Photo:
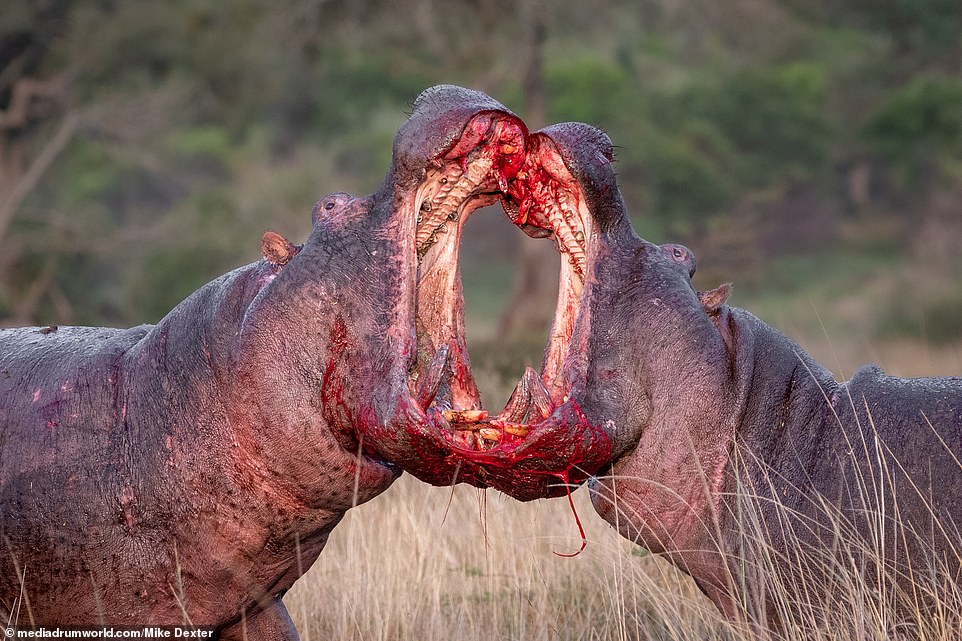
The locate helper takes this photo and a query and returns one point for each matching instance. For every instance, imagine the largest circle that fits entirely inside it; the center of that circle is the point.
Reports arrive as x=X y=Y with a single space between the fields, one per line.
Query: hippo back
x=61 y=444
x=903 y=447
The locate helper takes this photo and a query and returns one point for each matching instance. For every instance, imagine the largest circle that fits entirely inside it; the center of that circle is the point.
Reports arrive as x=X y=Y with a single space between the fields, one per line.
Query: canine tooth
x=431 y=380
x=465 y=416
x=517 y=429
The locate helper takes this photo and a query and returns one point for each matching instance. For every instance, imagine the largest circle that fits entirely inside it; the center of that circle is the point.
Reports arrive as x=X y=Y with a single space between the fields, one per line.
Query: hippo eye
x=329 y=206
x=679 y=254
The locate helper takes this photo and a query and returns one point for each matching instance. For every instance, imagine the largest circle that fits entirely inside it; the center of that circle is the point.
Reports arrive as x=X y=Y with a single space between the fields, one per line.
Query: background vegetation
x=809 y=150
x=803 y=148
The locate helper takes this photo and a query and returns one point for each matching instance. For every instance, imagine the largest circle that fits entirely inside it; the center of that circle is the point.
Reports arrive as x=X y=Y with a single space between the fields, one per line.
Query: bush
x=918 y=130
x=774 y=120
x=599 y=93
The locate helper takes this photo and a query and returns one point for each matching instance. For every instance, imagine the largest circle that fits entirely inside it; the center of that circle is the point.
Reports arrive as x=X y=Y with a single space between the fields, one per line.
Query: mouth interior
x=493 y=161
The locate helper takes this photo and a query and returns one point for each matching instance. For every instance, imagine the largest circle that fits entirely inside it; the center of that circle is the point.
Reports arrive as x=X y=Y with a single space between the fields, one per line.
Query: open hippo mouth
x=541 y=436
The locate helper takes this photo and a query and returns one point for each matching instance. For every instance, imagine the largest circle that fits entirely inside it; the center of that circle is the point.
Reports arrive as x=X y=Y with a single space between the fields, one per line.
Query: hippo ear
x=713 y=300
x=276 y=249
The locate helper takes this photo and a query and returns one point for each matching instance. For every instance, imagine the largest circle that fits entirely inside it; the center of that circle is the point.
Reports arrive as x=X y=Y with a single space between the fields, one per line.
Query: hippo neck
x=783 y=410
x=345 y=296
x=313 y=358
x=188 y=355
x=659 y=375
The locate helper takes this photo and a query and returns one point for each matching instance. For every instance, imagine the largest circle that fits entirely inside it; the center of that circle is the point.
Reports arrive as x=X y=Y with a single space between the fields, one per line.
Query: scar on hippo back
x=276 y=249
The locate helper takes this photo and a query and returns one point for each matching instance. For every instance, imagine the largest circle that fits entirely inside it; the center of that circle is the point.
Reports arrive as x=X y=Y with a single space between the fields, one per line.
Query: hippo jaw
x=458 y=181
x=541 y=435
x=538 y=194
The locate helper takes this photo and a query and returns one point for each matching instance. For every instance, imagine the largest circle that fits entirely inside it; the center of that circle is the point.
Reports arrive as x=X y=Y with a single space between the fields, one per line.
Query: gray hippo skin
x=190 y=471
x=728 y=439
x=737 y=455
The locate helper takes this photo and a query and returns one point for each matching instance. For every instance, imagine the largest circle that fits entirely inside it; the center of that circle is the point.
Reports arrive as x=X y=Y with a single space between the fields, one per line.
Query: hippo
x=189 y=472
x=733 y=453
x=752 y=469
x=186 y=471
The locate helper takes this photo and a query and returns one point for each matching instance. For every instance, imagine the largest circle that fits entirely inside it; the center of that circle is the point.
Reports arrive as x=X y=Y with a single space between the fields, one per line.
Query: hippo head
x=647 y=359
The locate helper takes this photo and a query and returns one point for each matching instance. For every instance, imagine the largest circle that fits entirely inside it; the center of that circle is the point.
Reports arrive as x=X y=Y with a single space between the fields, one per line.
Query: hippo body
x=192 y=470
x=870 y=445
x=733 y=447
x=189 y=472
x=866 y=471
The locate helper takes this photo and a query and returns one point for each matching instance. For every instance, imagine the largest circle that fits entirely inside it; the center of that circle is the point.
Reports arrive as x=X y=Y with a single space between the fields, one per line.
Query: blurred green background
x=808 y=150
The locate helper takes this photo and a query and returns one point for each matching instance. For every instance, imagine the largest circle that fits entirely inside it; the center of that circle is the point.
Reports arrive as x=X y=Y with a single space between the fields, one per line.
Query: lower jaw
x=559 y=451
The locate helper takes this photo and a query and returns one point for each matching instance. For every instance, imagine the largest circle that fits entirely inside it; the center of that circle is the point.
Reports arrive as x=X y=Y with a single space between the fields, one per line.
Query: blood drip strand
x=563 y=477
x=483 y=516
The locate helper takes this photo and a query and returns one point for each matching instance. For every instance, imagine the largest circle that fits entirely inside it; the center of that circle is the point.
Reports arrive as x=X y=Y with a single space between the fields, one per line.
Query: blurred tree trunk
x=530 y=308
x=35 y=127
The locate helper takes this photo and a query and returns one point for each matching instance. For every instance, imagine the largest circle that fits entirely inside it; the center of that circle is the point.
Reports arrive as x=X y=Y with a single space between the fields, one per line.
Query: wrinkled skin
x=714 y=415
x=192 y=470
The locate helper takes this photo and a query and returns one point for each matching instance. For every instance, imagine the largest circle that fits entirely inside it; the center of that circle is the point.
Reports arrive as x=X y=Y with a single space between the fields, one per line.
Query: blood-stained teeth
x=515 y=429
x=464 y=416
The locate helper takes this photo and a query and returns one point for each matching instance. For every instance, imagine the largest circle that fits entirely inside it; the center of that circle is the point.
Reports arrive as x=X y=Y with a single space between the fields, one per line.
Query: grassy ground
x=434 y=564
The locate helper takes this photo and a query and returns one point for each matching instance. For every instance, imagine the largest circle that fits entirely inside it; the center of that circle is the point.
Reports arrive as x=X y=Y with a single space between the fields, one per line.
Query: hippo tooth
x=465 y=416
x=515 y=429
x=449 y=198
x=432 y=378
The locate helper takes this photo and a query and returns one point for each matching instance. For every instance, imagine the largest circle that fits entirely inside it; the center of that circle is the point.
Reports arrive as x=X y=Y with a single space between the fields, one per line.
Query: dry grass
x=428 y=563
x=423 y=563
